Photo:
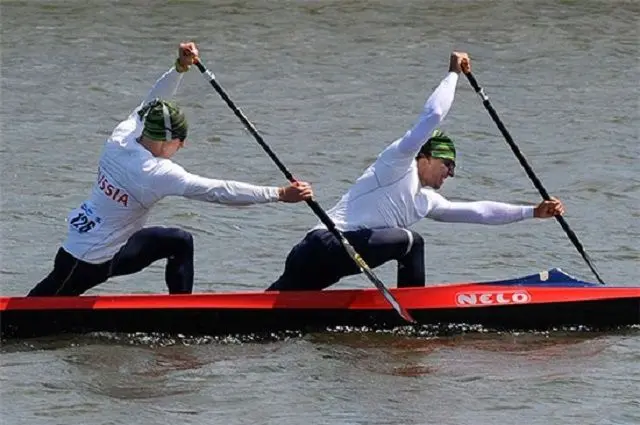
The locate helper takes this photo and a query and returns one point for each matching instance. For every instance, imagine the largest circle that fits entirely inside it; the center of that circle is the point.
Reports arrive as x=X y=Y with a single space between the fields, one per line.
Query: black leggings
x=74 y=277
x=320 y=260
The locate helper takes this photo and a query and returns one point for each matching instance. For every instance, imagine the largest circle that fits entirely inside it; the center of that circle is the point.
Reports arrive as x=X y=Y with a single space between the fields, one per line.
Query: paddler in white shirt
x=106 y=234
x=395 y=192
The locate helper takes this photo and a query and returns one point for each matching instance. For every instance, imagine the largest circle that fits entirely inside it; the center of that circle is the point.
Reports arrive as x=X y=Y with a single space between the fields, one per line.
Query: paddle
x=317 y=209
x=529 y=171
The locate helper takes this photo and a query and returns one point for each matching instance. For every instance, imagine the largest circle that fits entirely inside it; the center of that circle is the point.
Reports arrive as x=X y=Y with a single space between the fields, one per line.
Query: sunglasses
x=451 y=165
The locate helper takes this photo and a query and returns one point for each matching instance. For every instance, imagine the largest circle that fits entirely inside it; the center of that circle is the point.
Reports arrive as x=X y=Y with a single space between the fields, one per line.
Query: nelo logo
x=492 y=298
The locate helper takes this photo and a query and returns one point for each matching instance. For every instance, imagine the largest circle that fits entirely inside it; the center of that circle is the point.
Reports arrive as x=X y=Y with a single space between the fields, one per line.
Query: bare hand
x=187 y=53
x=459 y=62
x=295 y=192
x=550 y=208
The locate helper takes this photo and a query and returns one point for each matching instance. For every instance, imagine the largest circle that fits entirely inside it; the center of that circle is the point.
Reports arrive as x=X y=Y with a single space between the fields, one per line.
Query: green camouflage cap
x=439 y=145
x=163 y=121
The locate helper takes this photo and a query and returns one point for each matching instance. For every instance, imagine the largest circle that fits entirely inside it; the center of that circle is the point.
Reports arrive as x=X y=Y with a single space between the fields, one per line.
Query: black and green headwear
x=439 y=145
x=163 y=121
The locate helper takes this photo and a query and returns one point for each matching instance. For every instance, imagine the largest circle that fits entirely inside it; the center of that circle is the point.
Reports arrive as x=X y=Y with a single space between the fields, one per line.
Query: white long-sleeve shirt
x=388 y=193
x=130 y=180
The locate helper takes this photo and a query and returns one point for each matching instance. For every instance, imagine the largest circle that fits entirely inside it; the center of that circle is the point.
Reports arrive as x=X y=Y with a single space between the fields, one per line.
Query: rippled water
x=329 y=84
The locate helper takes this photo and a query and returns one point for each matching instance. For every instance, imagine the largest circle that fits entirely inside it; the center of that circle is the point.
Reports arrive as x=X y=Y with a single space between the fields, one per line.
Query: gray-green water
x=329 y=84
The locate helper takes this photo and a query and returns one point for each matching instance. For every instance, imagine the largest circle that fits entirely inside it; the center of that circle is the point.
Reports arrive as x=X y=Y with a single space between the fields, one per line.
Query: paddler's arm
x=167 y=85
x=488 y=212
x=238 y=193
x=435 y=109
x=173 y=180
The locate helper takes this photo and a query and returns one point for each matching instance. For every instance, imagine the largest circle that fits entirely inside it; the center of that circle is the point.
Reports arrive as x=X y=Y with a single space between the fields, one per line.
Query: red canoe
x=542 y=301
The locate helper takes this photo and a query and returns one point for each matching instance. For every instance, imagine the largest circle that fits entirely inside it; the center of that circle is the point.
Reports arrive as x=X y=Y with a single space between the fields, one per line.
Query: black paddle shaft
x=527 y=168
x=317 y=209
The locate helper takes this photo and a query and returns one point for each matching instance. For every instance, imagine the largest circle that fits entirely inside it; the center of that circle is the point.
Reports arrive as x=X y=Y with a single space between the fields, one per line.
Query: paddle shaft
x=527 y=168
x=315 y=207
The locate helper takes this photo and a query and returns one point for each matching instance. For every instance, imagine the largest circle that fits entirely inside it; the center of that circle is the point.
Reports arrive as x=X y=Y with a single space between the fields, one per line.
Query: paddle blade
x=364 y=267
x=388 y=296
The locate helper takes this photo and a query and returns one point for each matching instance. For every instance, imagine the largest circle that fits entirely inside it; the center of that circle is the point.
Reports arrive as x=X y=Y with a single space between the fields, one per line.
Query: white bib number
x=84 y=219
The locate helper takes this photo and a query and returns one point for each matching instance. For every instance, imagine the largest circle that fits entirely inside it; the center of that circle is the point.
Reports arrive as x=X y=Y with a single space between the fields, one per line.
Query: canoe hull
x=601 y=314
x=537 y=302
